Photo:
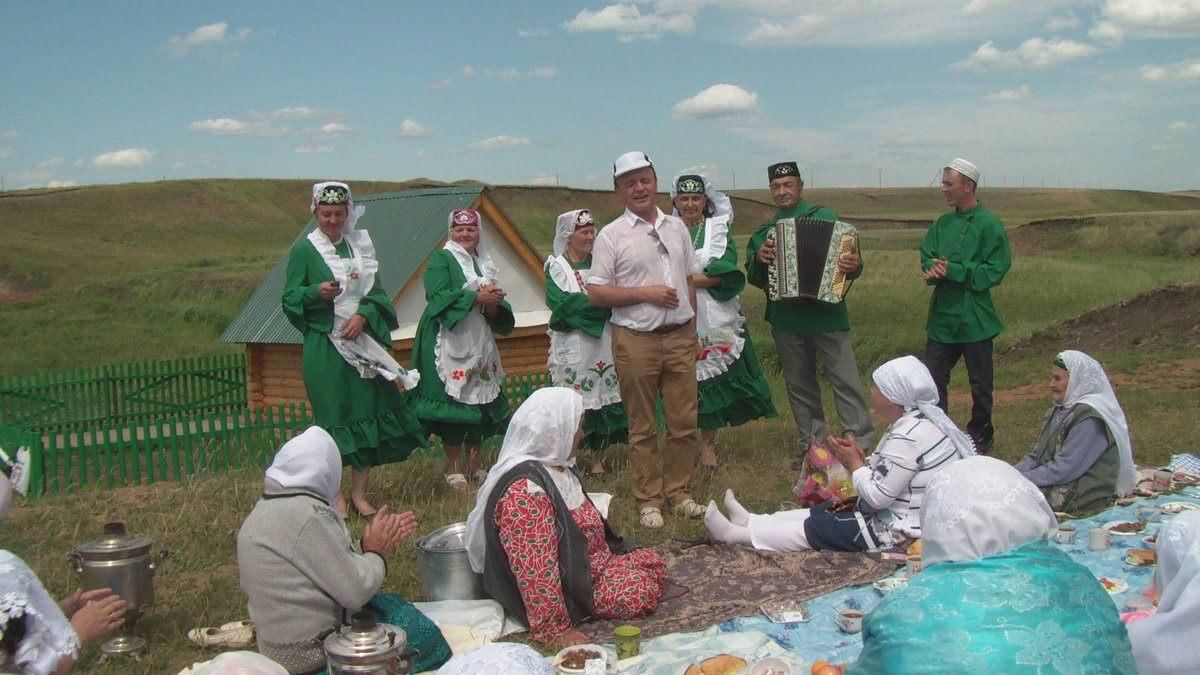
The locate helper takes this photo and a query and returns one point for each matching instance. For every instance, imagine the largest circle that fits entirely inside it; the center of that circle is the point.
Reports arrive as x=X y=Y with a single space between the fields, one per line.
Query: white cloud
x=468 y=71
x=129 y=158
x=294 y=113
x=222 y=126
x=205 y=37
x=1061 y=22
x=1107 y=32
x=313 y=149
x=442 y=84
x=1015 y=94
x=501 y=142
x=335 y=129
x=544 y=178
x=1153 y=18
x=544 y=72
x=507 y=74
x=410 y=129
x=1182 y=70
x=61 y=183
x=719 y=100
x=533 y=32
x=627 y=21
x=1033 y=53
x=1181 y=126
x=49 y=162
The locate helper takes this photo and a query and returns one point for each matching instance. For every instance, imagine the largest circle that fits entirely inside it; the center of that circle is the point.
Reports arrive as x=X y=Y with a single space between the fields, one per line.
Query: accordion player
x=806 y=255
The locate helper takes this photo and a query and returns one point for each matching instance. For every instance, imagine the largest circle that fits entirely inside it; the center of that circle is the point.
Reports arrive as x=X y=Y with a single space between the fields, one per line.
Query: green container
x=629 y=641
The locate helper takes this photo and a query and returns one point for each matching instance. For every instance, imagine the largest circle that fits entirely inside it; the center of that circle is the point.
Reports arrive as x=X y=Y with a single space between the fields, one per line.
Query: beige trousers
x=649 y=364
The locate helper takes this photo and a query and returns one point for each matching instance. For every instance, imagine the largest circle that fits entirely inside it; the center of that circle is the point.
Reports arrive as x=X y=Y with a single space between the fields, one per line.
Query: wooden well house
x=406 y=227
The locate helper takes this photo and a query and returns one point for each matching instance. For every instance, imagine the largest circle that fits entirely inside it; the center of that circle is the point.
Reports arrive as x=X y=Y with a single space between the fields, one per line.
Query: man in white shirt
x=642 y=264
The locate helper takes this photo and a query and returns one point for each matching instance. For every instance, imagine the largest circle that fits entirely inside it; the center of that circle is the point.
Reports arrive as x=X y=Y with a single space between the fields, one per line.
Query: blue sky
x=1036 y=92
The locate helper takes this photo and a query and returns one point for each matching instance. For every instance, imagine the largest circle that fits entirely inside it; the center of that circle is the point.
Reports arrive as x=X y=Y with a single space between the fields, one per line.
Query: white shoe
x=688 y=508
x=233 y=635
x=650 y=517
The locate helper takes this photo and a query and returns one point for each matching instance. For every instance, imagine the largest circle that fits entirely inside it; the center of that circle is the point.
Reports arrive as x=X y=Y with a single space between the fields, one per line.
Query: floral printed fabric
x=1031 y=609
x=623 y=586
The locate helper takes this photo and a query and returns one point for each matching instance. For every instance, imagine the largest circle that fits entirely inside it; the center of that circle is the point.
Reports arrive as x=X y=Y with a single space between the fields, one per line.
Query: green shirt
x=976 y=247
x=796 y=315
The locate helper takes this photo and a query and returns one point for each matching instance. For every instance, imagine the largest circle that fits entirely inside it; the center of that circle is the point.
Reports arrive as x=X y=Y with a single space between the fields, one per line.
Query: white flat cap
x=630 y=161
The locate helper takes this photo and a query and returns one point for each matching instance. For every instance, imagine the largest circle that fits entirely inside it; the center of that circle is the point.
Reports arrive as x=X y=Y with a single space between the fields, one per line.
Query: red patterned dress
x=624 y=586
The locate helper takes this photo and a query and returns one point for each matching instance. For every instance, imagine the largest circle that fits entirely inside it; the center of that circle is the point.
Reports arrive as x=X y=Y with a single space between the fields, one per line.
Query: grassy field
x=130 y=272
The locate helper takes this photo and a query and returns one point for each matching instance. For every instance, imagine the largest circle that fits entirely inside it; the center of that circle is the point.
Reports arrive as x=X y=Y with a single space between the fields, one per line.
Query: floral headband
x=584 y=219
x=333 y=195
x=690 y=184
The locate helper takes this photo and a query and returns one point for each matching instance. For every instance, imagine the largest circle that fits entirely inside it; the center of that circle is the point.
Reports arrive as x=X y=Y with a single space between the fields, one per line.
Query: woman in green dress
x=461 y=398
x=581 y=336
x=731 y=385
x=333 y=297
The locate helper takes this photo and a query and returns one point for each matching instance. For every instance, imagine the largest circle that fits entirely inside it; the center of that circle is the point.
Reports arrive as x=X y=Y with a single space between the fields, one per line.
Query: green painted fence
x=170 y=447
x=123 y=393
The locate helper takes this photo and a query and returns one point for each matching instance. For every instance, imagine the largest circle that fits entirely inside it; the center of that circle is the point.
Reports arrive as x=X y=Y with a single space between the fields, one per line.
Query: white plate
x=557 y=660
x=1172 y=508
x=1118 y=586
x=1111 y=524
x=890 y=584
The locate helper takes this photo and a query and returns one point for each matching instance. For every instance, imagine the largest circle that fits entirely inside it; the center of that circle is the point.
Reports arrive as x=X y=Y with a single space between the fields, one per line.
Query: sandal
x=457 y=481
x=233 y=635
x=650 y=517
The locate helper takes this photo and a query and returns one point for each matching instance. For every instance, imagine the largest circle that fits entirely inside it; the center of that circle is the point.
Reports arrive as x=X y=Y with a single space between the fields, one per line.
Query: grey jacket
x=301 y=574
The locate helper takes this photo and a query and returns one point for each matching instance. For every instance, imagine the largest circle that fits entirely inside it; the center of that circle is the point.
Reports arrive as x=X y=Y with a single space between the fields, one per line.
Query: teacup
x=1065 y=534
x=850 y=620
x=913 y=564
x=1099 y=538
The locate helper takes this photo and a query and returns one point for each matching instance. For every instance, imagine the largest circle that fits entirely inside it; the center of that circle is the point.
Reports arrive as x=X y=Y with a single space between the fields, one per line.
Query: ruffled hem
x=734 y=398
x=386 y=438
x=604 y=427
x=456 y=422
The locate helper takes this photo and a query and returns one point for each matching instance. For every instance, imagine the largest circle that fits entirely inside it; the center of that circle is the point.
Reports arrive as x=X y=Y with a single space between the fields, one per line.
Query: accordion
x=806 y=255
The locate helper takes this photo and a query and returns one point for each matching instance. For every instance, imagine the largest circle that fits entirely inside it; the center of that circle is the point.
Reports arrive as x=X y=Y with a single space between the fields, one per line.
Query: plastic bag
x=822 y=478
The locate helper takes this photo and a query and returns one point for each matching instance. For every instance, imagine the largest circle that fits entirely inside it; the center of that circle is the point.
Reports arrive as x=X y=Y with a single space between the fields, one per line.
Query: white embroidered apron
x=578 y=360
x=356 y=275
x=467 y=358
x=718 y=323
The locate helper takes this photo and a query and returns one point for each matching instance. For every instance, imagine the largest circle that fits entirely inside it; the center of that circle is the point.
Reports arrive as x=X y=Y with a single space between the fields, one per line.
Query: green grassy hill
x=112 y=273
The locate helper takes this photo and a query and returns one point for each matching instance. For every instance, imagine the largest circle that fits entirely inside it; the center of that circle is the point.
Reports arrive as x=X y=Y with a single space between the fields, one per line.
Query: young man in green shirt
x=963 y=255
x=807 y=331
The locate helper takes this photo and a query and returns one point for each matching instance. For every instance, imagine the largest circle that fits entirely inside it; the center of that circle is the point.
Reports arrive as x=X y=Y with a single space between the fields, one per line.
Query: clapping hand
x=490 y=295
x=386 y=530
x=936 y=271
x=846 y=451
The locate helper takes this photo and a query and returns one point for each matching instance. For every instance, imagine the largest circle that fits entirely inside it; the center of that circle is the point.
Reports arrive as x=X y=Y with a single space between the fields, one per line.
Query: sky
x=1070 y=93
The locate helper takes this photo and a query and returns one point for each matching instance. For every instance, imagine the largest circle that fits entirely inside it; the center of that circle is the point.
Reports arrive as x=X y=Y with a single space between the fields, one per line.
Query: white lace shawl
x=48 y=635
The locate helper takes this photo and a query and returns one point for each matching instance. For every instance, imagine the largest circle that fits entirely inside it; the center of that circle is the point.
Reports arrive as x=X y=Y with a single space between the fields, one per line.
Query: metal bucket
x=446 y=572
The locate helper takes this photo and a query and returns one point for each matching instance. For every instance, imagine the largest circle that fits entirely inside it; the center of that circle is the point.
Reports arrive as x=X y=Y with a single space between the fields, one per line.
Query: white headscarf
x=721 y=204
x=906 y=382
x=1089 y=385
x=1169 y=641
x=353 y=213
x=309 y=462
x=981 y=506
x=542 y=430
x=565 y=226
x=491 y=273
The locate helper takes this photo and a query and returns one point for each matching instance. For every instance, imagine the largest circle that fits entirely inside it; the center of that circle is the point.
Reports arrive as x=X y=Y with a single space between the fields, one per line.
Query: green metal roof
x=406 y=226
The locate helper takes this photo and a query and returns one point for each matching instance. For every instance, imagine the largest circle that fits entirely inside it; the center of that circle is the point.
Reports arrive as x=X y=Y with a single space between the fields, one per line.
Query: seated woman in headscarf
x=1083 y=456
x=303 y=576
x=460 y=397
x=581 y=356
x=920 y=442
x=1169 y=641
x=545 y=552
x=995 y=596
x=37 y=634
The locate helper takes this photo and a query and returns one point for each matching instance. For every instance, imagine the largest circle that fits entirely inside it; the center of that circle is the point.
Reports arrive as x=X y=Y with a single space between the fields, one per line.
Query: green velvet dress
x=741 y=393
x=447 y=302
x=371 y=420
x=572 y=312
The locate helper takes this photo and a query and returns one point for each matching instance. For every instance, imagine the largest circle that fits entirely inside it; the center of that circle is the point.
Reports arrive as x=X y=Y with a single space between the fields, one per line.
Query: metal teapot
x=121 y=562
x=367 y=646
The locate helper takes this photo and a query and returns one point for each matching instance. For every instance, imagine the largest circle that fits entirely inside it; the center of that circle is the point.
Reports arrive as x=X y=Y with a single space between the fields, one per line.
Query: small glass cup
x=628 y=640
